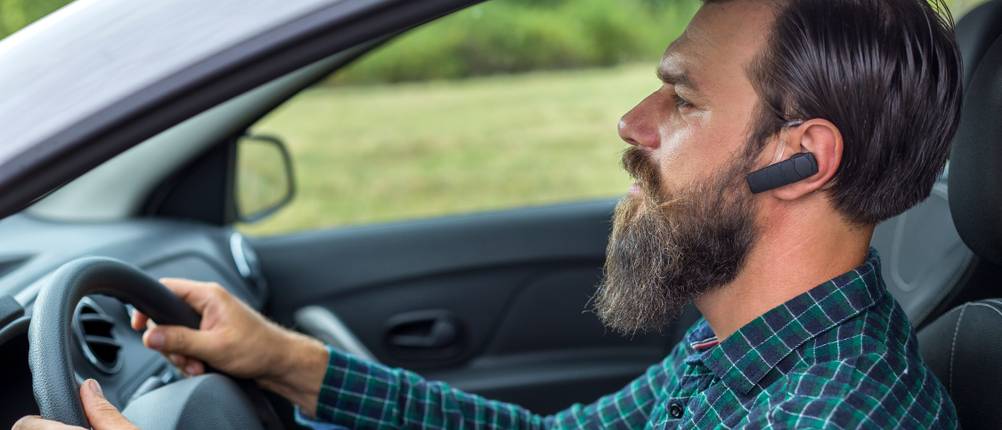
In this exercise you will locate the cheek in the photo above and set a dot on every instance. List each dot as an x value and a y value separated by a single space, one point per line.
686 154
673 140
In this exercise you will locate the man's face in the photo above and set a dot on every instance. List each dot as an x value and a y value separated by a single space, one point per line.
689 221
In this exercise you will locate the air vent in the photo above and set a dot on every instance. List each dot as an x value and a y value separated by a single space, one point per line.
94 331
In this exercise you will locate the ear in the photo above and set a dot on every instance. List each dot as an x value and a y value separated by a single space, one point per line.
822 139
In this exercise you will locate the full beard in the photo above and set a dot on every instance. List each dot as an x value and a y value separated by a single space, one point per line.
667 249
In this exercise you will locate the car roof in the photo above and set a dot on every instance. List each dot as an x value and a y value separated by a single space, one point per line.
94 54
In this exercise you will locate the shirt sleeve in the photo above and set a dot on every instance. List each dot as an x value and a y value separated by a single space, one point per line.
311 423
360 394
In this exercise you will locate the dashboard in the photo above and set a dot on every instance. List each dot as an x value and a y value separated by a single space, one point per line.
107 349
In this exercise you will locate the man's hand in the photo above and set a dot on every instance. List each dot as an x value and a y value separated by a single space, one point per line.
232 338
101 414
237 340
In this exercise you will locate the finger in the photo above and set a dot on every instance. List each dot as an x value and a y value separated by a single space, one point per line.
197 294
100 412
194 368
178 360
35 422
26 422
139 320
172 339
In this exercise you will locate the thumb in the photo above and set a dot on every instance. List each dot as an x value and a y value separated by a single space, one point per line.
100 412
176 340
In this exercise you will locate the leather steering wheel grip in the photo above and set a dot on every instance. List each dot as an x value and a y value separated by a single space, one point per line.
50 333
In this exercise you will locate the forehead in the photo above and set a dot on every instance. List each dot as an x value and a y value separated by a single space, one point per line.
719 43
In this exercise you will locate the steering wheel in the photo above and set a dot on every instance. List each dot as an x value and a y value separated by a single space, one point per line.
209 401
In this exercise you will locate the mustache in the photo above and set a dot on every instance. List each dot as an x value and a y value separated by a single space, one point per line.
643 169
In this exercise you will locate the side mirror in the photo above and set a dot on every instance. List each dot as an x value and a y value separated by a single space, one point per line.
264 182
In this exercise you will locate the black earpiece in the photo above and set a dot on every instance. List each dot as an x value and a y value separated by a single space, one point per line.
801 166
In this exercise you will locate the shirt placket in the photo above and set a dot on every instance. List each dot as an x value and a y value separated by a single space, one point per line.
696 378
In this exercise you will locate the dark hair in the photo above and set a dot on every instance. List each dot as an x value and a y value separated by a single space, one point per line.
887 73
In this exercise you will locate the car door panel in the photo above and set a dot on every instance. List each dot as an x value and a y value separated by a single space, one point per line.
493 303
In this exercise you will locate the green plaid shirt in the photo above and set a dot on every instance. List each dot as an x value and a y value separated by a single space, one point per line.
842 355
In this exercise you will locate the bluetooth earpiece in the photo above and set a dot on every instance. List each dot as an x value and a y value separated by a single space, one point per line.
801 166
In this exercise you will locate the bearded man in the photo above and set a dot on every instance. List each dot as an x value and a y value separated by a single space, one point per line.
798 330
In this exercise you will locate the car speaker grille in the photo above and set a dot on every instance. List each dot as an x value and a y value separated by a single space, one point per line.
95 334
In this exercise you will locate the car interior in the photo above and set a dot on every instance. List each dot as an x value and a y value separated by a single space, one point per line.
492 303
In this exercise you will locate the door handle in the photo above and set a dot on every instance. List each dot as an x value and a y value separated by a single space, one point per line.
423 330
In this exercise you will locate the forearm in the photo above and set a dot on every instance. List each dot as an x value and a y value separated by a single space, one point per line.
359 394
424 402
299 375
341 389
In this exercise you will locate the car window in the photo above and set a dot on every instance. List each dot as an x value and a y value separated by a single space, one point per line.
507 104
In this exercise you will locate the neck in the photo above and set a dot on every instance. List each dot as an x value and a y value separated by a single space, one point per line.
787 260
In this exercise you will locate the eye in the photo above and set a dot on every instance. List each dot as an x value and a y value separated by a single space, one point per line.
681 103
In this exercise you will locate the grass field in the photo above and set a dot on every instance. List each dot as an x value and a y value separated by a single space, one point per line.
379 153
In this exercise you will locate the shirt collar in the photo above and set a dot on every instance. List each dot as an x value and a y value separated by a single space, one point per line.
745 357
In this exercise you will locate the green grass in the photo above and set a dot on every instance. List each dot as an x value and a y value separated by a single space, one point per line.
378 153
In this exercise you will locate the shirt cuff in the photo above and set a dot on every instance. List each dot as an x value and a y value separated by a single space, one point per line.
357 393
302 420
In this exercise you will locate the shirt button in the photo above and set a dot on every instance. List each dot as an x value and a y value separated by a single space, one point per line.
675 410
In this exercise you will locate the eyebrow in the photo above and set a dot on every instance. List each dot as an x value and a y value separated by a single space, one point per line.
676 78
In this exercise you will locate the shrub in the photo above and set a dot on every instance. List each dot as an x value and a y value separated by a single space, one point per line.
509 36
613 31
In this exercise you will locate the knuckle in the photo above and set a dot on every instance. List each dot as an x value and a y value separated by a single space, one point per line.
105 408
99 407
227 340
216 290
176 339
25 423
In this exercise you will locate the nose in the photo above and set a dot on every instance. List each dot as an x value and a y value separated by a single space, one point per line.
639 127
